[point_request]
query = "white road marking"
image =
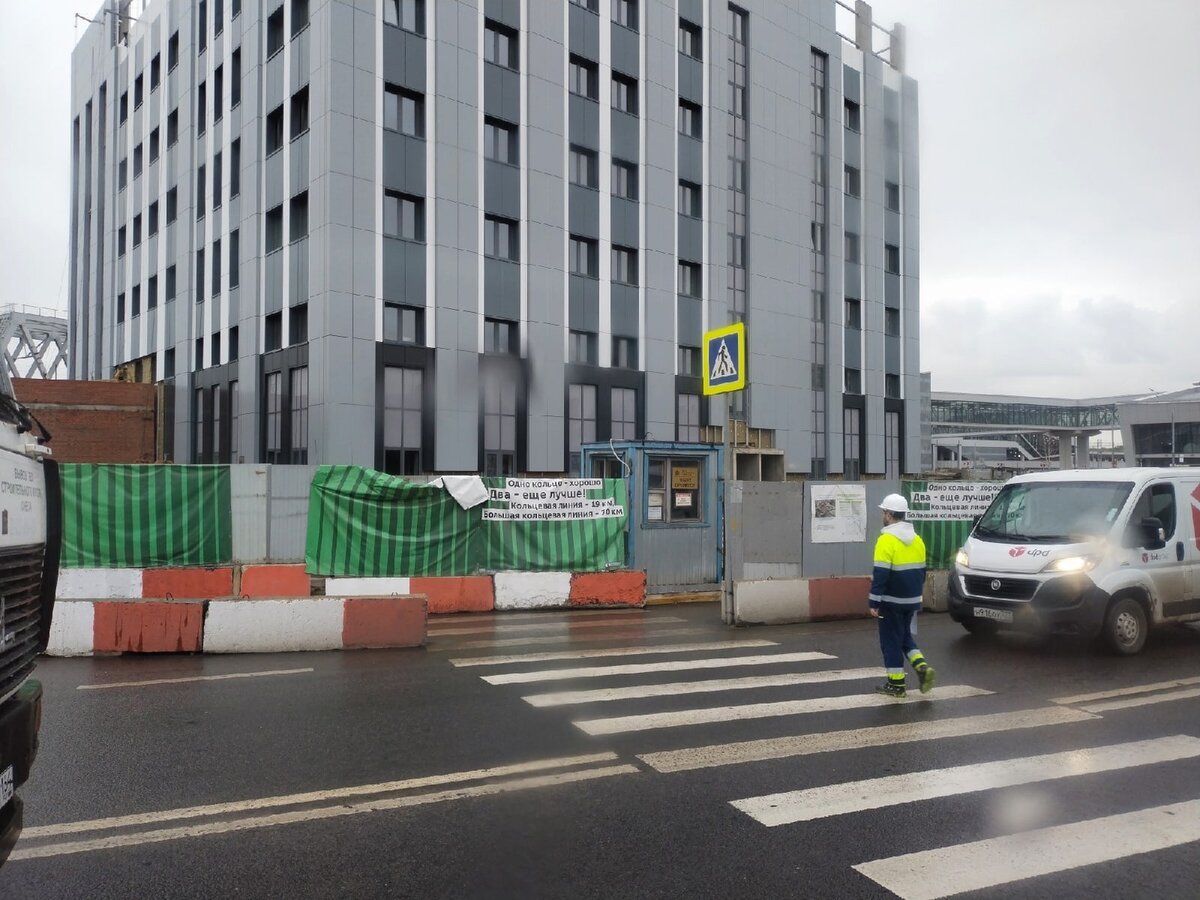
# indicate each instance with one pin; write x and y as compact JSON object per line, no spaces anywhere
{"x":622,"y":621}
{"x":239,"y":806}
{"x":984,"y":864}
{"x":677,"y":665}
{"x":854,"y":738}
{"x":626,"y":724}
{"x":636,"y":691}
{"x":645,"y":650}
{"x":546,"y":615}
{"x":570,"y":638}
{"x":1125,"y":691}
{"x":125,"y":684}
{"x":1130,"y":702}
{"x":312,"y":815}
{"x":893,"y":790}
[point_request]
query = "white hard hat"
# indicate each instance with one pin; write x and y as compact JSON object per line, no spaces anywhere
{"x":894,"y":503}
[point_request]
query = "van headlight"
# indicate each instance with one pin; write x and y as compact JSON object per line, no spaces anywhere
{"x":1071,"y":565}
{"x":962,"y":559}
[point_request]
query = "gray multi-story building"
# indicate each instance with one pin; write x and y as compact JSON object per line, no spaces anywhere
{"x":464,"y":235}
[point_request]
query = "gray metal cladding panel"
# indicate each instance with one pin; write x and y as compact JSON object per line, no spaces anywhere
{"x":506,"y":12}
{"x":584,"y":127}
{"x":585,"y":211}
{"x":273,"y":271}
{"x":852,"y":286}
{"x":502,"y":289}
{"x":502,"y":189}
{"x":403,"y":271}
{"x":853,"y":348}
{"x":404,"y":58}
{"x":584,"y":303}
{"x":625,"y":222}
{"x":891,"y":227}
{"x":691,"y":79}
{"x":625,"y":51}
{"x":691,"y":238}
{"x":851,"y":83}
{"x":288,"y":512}
{"x":891,"y":290}
{"x":301,"y":65}
{"x":692,"y":10}
{"x":298,"y":160}
{"x":766,"y":523}
{"x":853,"y":220}
{"x":584,"y":30}
{"x":853,"y":149}
{"x":298,"y":272}
{"x":404,"y":163}
{"x":691,"y":327}
{"x":691,"y":159}
{"x":273,"y":186}
{"x":501,"y":92}
{"x":274,"y":88}
{"x":235,"y":305}
{"x":248,"y":490}
{"x":625,"y":136}
{"x":891,"y":354}
{"x":891,"y":165}
{"x":677,"y":556}
{"x":827,"y":560}
{"x":625,"y":318}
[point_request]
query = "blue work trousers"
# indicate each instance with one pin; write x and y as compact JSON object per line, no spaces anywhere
{"x":896,"y":627}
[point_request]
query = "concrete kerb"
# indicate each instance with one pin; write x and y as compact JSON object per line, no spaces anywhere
{"x":789,"y":601}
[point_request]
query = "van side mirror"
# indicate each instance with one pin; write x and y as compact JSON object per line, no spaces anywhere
{"x":1154,"y":536}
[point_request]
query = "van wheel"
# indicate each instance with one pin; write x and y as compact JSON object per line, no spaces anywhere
{"x":980,"y":627}
{"x":1125,"y":627}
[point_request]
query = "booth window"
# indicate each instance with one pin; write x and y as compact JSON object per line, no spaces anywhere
{"x":675,"y":492}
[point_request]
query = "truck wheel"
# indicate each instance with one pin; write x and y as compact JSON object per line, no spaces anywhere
{"x":1125,"y":627}
{"x":980,"y":627}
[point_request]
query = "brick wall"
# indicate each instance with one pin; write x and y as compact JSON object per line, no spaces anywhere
{"x":94,"y":421}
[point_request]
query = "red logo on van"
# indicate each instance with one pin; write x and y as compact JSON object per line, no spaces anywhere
{"x":1020,"y":551}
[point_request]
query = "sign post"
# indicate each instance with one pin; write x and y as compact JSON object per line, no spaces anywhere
{"x":724,"y":373}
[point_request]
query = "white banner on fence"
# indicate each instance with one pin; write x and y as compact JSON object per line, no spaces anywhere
{"x":839,"y":513}
{"x":551,"y":500}
{"x":953,"y":501}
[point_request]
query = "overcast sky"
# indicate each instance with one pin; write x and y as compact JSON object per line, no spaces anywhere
{"x":1060,"y":185}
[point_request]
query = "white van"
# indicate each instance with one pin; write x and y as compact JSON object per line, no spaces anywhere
{"x":1101,"y":552}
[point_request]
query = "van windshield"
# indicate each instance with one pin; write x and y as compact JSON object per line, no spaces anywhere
{"x":1053,"y":512}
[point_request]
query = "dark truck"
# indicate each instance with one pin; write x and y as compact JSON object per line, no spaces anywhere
{"x":30,"y":535}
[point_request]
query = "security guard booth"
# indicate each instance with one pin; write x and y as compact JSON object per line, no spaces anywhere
{"x":674,"y":524}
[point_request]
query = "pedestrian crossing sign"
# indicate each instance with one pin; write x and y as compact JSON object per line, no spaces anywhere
{"x":725,"y":358}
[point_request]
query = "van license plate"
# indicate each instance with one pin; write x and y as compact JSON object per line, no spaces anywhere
{"x":1000,"y":615}
{"x":6,"y":786}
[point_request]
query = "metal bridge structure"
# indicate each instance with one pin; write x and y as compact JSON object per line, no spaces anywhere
{"x":34,"y":342}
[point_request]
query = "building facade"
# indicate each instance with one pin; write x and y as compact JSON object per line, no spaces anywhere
{"x":472,"y":235}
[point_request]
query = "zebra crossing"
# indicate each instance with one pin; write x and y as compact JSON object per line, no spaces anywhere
{"x":605,"y":697}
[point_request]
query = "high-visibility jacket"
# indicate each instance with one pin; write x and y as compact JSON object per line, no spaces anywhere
{"x":899,"y":573}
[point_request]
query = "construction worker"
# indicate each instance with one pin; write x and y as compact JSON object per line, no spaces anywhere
{"x":896,"y":590}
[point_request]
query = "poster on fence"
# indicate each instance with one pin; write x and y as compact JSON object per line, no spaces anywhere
{"x":551,"y":500}
{"x":942,"y":512}
{"x":839,"y":514}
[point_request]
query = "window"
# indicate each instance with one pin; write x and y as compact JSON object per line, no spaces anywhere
{"x":589,"y":5}
{"x":122,"y":174}
{"x":274,"y":225}
{"x":737,"y":252}
{"x":817,"y":231}
{"x":500,"y":238}
{"x":499,"y":427}
{"x":154,"y":142}
{"x":137,"y":161}
{"x":690,"y":203}
{"x":625,"y":13}
{"x":851,"y":247}
{"x":216,"y":404}
{"x":406,"y":14}
{"x":299,"y":112}
{"x":674,"y":490}
{"x":891,"y":444}
{"x":218,"y":16}
{"x":853,"y":313}
{"x":235,"y":258}
{"x":200,"y":191}
{"x":173,"y":128}
{"x":201,"y":105}
{"x":891,"y":387}
{"x":690,"y":120}
{"x":298,"y":218}
{"x":891,"y":133}
{"x":892,"y":192}
{"x":584,"y":77}
{"x":200,"y":275}
{"x":173,"y":51}
{"x":274,"y":416}
{"x":273,"y":332}
{"x":500,"y":45}
{"x":233,"y":343}
{"x":584,"y":257}
{"x":402,"y":413}
{"x":891,"y":321}
{"x":624,"y":180}
{"x":689,"y":279}
{"x":137,"y":230}
{"x":170,"y":286}
{"x":851,"y":182}
{"x":403,"y":324}
{"x":299,"y":415}
{"x":852,"y":434}
{"x":138,"y":86}
{"x":500,"y":336}
{"x":202,"y":25}
{"x":404,"y":111}
{"x":1157,"y":501}
{"x":689,"y":361}
{"x":892,"y":261}
{"x":853,"y":381}
{"x":234,"y":442}
{"x":123,"y":107}
{"x":235,"y":79}
{"x":500,"y":141}
{"x":136,"y":307}
{"x":298,"y":324}
{"x":625,"y":94}
{"x":690,"y":41}
{"x":818,"y":376}
{"x":216,"y":267}
{"x":274,"y":135}
{"x":216,"y":181}
{"x":583,"y":167}
{"x":403,"y":216}
{"x":581,"y":420}
{"x":152,"y":219}
{"x":235,"y":11}
{"x":687,"y":422}
{"x":120,"y":307}
{"x":121,"y":235}
{"x":275,"y":32}
{"x":625,"y":265}
{"x":624,"y":353}
{"x":218,"y":93}
{"x":155,"y":72}
{"x":624,"y":414}
{"x":235,"y":168}
{"x":581,"y":348}
{"x":198,"y":454}
{"x":853,"y":116}
{"x":299,"y":18}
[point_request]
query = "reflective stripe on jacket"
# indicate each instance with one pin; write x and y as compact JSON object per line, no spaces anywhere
{"x":899,"y":573}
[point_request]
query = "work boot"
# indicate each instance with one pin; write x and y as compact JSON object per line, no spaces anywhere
{"x":893,"y":687}
{"x":926,"y":673}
